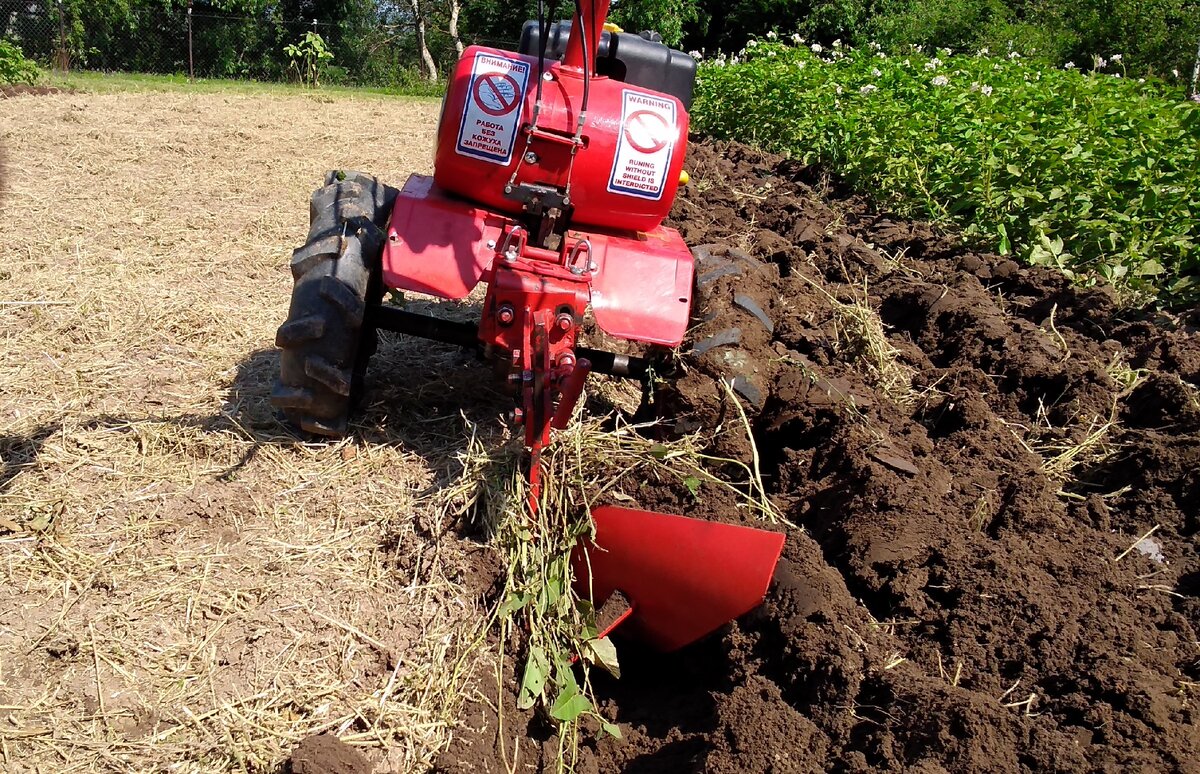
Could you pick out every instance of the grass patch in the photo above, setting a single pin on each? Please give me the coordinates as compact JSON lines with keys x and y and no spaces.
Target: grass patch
{"x":103,"y":83}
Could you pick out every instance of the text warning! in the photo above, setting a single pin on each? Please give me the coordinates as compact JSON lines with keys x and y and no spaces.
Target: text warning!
{"x":648,"y":133}
{"x":493,"y":111}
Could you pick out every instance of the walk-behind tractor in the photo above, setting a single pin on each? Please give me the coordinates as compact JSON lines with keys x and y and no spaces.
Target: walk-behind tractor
{"x":555,"y":167}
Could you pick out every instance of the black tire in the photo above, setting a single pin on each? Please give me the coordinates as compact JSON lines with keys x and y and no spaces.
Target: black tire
{"x":337,"y":274}
{"x":732,"y":321}
{"x":728,"y":343}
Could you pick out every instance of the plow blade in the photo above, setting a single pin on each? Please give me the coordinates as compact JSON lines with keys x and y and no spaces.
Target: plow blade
{"x":682,"y":578}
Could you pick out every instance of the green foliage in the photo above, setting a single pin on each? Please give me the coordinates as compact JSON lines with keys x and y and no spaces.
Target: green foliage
{"x":308,"y":58}
{"x":666,"y":17}
{"x":14,"y":67}
{"x":1153,"y":36}
{"x":1095,"y":174}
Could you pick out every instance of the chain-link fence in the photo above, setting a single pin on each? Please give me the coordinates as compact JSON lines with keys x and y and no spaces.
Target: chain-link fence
{"x":204,"y":43}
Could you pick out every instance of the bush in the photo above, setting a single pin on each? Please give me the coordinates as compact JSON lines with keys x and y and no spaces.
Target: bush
{"x":14,"y":67}
{"x":1092,"y":173}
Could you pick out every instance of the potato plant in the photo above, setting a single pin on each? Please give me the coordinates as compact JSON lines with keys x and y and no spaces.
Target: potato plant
{"x":1077,"y":168}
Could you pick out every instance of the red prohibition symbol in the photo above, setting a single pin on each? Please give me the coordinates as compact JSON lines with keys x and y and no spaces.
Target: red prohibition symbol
{"x":646,"y":131}
{"x":496,"y":93}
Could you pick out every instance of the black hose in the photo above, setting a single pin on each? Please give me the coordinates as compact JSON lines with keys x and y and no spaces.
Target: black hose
{"x":587,"y":60}
{"x":542,"y":35}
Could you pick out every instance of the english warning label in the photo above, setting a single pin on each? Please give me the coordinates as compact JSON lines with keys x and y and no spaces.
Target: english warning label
{"x":493,"y":111}
{"x":648,"y":133}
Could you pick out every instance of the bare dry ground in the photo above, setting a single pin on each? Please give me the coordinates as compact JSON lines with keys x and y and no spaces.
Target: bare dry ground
{"x":183,"y":583}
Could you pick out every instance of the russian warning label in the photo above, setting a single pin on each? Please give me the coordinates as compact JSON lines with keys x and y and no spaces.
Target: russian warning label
{"x":493,"y":111}
{"x":648,"y":133}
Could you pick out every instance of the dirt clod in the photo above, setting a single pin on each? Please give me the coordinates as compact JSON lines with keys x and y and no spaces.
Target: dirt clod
{"x":326,"y":754}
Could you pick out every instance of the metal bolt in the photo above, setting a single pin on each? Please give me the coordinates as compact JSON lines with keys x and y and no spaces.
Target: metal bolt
{"x":547,"y":76}
{"x":393,"y":237}
{"x":564,"y":322}
{"x":531,"y":158}
{"x":566,"y":360}
{"x":506,"y":314}
{"x":593,"y":266}
{"x":491,"y":244}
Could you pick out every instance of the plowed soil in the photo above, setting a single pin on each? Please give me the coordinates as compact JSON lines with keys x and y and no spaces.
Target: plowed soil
{"x":968,"y":452}
{"x":960,"y":593}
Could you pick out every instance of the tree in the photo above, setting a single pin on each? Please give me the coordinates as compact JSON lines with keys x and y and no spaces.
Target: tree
{"x":455,"y":10}
{"x":422,"y":44}
{"x":666,"y":17}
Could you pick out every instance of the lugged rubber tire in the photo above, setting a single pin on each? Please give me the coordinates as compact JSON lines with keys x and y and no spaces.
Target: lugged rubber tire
{"x":730,"y":332}
{"x":732,"y":320}
{"x":337,"y":273}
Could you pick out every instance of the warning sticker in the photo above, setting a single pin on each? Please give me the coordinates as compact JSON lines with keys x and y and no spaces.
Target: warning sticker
{"x":493,"y":111}
{"x":648,"y":133}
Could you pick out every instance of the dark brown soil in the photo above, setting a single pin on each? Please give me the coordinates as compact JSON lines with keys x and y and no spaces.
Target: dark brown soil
{"x":955,"y":594}
{"x":326,"y":754}
{"x":20,"y":90}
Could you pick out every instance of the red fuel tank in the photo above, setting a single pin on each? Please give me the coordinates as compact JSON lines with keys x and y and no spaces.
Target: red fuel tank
{"x":625,"y":174}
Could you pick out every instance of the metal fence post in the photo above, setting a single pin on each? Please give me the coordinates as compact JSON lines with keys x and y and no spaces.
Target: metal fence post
{"x":191,"y":60}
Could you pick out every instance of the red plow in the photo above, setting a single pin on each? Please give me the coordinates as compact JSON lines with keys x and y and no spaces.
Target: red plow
{"x":555,"y":168}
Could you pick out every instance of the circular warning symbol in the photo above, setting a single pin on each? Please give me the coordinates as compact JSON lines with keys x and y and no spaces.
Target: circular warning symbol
{"x":647,"y":131}
{"x":496,"y":93}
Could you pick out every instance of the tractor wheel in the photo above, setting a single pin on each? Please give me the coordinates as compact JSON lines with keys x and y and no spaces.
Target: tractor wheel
{"x":325,"y":343}
{"x":729,"y":340}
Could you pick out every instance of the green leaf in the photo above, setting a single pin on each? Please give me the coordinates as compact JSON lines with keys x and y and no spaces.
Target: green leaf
{"x":533,"y":684}
{"x":514,"y":603}
{"x":693,"y":485}
{"x":612,"y":729}
{"x":569,"y":705}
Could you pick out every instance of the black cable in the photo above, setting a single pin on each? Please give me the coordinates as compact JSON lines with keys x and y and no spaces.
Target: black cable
{"x":542,"y":40}
{"x":587,"y":81}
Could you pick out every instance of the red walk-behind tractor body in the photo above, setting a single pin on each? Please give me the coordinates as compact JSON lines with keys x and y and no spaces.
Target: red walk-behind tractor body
{"x":551,"y":184}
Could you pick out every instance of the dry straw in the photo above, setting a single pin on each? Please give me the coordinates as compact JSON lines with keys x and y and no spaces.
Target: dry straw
{"x":183,"y":585}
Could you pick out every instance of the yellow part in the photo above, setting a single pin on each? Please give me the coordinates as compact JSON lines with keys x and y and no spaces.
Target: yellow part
{"x":684,"y":177}
{"x":610,"y":27}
